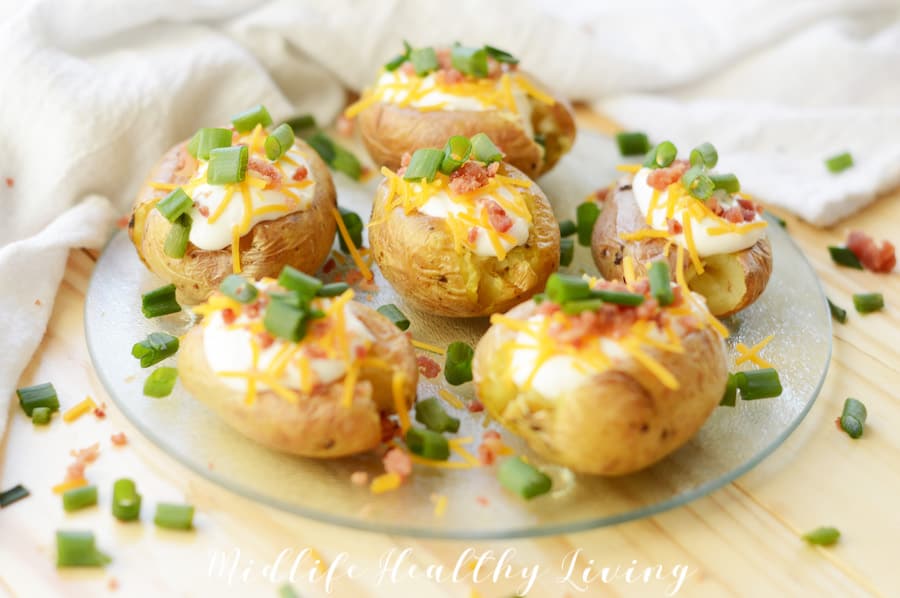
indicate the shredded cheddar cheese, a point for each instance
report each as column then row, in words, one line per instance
column 78, row 410
column 440, row 505
column 354, row 252
column 450, row 398
column 386, row 482
column 69, row 485
column 428, row 347
column 752, row 353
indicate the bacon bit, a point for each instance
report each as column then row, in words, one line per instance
column 315, row 352
column 204, row 211
column 359, row 478
column 353, row 277
column 83, row 458
column 600, row 195
column 472, row 237
column 389, row 428
column 876, row 259
column 661, row 178
column 405, row 159
column 253, row 309
column 100, row 412
column 734, row 214
column 119, row 439
column 300, row 174
column 122, row 222
column 265, row 170
column 837, row 422
column 748, row 209
column 329, row 266
column 344, row 126
column 10, row 182
column 361, row 352
column 38, row 302
column 497, row 216
column 228, row 316
column 468, row 177
column 445, row 59
column 548, row 308
column 491, row 444
column 428, row 367
column 210, row 465
column 483, row 501
column 674, row 226
column 398, row 462
column 474, row 406
column 408, row 69
column 713, row 204
column 112, row 584
column 265, row 340
column 369, row 286
column 492, row 169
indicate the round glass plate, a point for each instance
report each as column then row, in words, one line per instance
column 733, row 440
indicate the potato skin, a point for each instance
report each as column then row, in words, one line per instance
column 389, row 131
column 416, row 254
column 733, row 281
column 318, row 425
column 302, row 239
column 618, row 421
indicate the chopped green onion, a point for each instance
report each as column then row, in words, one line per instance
column 632, row 143
column 301, row 283
column 456, row 152
column 207, row 139
column 618, row 297
column 248, row 119
column 239, row 288
column 661, row 156
column 39, row 395
column 171, row 516
column 159, row 302
column 540, row 139
column 279, row 141
column 301, row 123
column 853, row 417
column 424, row 60
column 844, row 257
column 424, row 164
column 759, row 384
column 394, row 63
column 661, row 283
column 458, row 363
column 469, row 61
column 562, row 288
column 586, row 215
column 566, row 251
column 500, row 55
column 519, row 477
column 153, row 349
column 14, row 494
column 704, row 154
column 323, row 145
column 781, row 221
column 837, row 313
column 393, row 313
column 839, row 163
column 227, row 165
column 868, row 302
column 79, row 498
column 78, row 549
column 484, row 150
column 160, row 382
column 431, row 413
column 333, row 289
column 178, row 237
column 346, row 161
column 285, row 320
column 175, row 204
column 354, row 226
column 567, row 228
column 697, row 182
column 428, row 444
column 40, row 416
column 287, row 591
column 729, row 397
column 126, row 503
column 822, row 536
column 573, row 308
column 539, row 298
column 727, row 182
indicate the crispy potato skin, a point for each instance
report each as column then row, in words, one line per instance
column 318, row 425
column 302, row 239
column 618, row 421
column 417, row 255
column 389, row 131
column 732, row 283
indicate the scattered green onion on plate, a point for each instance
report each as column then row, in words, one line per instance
column 393, row 313
column 519, row 477
column 458, row 363
column 866, row 303
column 160, row 382
column 853, row 417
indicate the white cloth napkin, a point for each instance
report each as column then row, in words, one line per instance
column 93, row 91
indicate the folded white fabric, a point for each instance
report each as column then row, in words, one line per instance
column 95, row 90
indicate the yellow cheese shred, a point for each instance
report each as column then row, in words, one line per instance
column 628, row 269
column 354, row 252
column 235, row 249
column 69, row 485
column 428, row 347
column 440, row 505
column 450, row 398
column 78, row 410
column 752, row 353
column 691, row 246
column 386, row 482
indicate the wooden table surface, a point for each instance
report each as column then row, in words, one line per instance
column 741, row 540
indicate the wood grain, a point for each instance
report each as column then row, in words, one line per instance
column 741, row 541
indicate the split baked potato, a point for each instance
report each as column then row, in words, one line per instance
column 300, row 235
column 603, row 401
column 424, row 96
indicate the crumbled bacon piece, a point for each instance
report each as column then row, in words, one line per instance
column 100, row 411
column 112, row 584
column 265, row 170
column 493, row 168
column 228, row 316
column 300, row 174
column 734, row 214
column 490, row 447
column 265, row 340
column 359, row 478
column 344, row 126
column 548, row 308
column 661, row 178
column 468, row 177
column 389, row 428
column 450, row 76
column 474, row 406
column 10, row 182
column 497, row 216
column 713, row 204
column 329, row 265
column 119, row 439
column 428, row 367
column 122, row 222
column 472, row 237
column 37, row 302
column 405, row 159
column 408, row 69
column 360, row 351
column 369, row 286
column 674, row 226
column 483, row 501
column 445, row 59
column 748, row 209
column 871, row 256
column 397, row 461
column 83, row 458
column 315, row 352
column 253, row 309
column 600, row 195
column 204, row 211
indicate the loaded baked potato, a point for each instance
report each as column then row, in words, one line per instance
column 317, row 388
column 477, row 240
column 673, row 208
column 425, row 95
column 600, row 377
column 264, row 207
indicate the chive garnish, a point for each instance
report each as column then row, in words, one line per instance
column 729, row 397
column 866, row 303
column 759, row 384
column 431, row 413
column 175, row 204
column 424, row 164
column 239, row 288
column 660, row 283
column 126, row 503
column 428, row 444
column 839, row 163
column 469, row 61
column 728, row 182
column 172, row 516
column 704, row 154
column 618, row 297
column 484, row 150
column 837, row 313
column 227, row 165
column 566, row 251
column 14, row 494
column 393, row 313
column 337, row 158
column 287, row 590
column 285, row 320
column 424, row 60
column 697, row 182
column 40, row 416
column 573, row 308
column 279, row 141
column 562, row 288
column 78, row 549
column 79, row 498
column 206, row 140
column 301, row 123
column 523, row 479
column 567, row 228
column 456, row 152
column 500, row 55
column 844, row 257
column 354, row 226
column 178, row 237
column 248, row 119
column 303, row 284
column 661, row 156
column 853, row 417
column 632, row 143
column 394, row 63
column 586, row 215
column 153, row 349
column 160, row 382
column 822, row 536
column 159, row 302
column 458, row 363
column 333, row 289
column 39, row 395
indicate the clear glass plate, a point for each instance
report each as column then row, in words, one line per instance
column 793, row 308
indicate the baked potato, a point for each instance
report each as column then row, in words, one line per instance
column 608, row 390
column 321, row 404
column 290, row 199
column 468, row 244
column 726, row 255
column 425, row 95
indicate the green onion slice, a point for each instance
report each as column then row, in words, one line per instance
column 759, row 384
column 14, row 494
column 333, row 289
column 853, row 417
column 287, row 590
column 176, row 203
column 660, row 283
column 354, row 226
column 661, row 156
column 301, row 283
column 424, row 60
column 839, row 163
column 427, row 444
column 562, row 288
column 868, row 302
column 126, row 503
column 586, row 215
column 838, row 313
column 227, row 165
column 285, row 320
column 698, row 183
column 573, row 308
column 301, row 124
column 704, row 154
column 347, row 162
column 40, row 416
column 79, row 498
column 159, row 302
column 567, row 228
column 469, row 61
column 632, row 143
column 727, row 182
column 206, row 140
column 394, row 63
column 844, row 257
column 424, row 164
column 618, row 297
column 171, row 516
column 78, row 549
column 523, row 479
column 39, row 395
column 393, row 313
column 178, row 237
column 729, row 397
column 822, row 536
column 239, row 288
column 323, row 145
column 500, row 55
column 484, row 150
column 430, row 412
column 248, row 119
column 458, row 363
column 279, row 141
column 153, row 349
column 456, row 152
column 566, row 251
column 160, row 382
